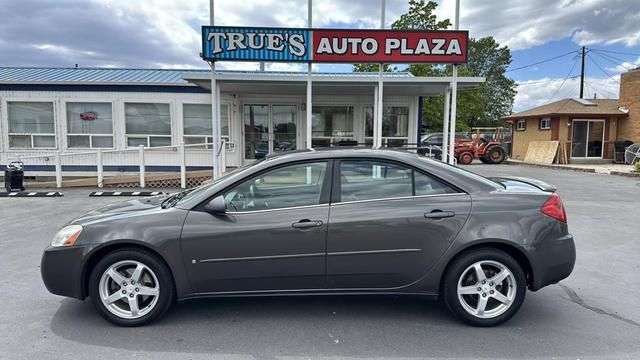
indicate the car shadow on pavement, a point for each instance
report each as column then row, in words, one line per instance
column 361, row 326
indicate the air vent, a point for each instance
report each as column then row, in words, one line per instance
column 585, row 102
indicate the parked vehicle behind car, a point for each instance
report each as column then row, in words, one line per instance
column 321, row 222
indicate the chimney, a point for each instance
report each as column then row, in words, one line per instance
column 629, row 128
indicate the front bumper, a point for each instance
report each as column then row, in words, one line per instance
column 61, row 270
column 553, row 261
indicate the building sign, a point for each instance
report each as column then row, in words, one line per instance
column 322, row 45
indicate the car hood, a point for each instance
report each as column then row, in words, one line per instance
column 119, row 208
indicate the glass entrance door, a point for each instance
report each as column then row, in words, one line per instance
column 268, row 129
column 587, row 139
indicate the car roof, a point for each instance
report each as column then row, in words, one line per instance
column 466, row 181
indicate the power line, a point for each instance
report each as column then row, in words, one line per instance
column 542, row 81
column 613, row 60
column 615, row 52
column 601, row 68
column 542, row 61
column 563, row 81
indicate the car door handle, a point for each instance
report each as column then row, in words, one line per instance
column 439, row 214
column 306, row 224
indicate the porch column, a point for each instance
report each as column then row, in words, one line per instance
column 445, row 125
column 309, row 111
column 377, row 119
column 215, row 110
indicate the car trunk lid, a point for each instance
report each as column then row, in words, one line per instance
column 516, row 183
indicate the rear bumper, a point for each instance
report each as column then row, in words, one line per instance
column 61, row 270
column 553, row 260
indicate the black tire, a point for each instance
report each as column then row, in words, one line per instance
column 457, row 269
column 484, row 160
column 166, row 293
column 496, row 155
column 465, row 158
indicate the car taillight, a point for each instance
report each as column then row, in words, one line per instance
column 554, row 208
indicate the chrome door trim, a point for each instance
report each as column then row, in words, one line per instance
column 267, row 257
column 278, row 209
column 368, row 252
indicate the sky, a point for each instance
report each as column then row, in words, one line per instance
column 166, row 34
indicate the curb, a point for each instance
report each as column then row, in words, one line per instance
column 125, row 193
column 31, row 194
column 586, row 170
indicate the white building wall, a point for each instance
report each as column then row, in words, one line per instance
column 160, row 159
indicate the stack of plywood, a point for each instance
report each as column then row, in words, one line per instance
column 541, row 152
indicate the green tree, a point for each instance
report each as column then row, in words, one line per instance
column 483, row 106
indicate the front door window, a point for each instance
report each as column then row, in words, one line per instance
column 268, row 129
column 587, row 139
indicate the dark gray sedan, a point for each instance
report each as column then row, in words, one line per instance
column 321, row 222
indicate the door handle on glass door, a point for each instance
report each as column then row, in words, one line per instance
column 439, row 214
column 306, row 224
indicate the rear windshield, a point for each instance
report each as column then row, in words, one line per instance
column 467, row 173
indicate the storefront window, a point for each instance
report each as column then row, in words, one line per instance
column 31, row 125
column 395, row 125
column 197, row 123
column 147, row 124
column 332, row 125
column 89, row 125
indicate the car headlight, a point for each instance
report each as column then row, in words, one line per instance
column 67, row 236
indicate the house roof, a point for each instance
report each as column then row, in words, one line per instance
column 572, row 107
column 175, row 77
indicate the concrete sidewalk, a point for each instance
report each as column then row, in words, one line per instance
column 609, row 169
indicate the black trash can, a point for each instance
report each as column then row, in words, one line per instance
column 14, row 176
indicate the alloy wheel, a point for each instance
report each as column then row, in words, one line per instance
column 486, row 289
column 129, row 289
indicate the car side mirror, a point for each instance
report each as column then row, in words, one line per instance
column 216, row 206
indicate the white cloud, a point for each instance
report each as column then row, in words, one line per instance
column 538, row 92
column 624, row 66
column 521, row 24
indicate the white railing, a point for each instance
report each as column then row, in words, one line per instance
column 116, row 157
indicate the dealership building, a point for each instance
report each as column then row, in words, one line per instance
column 46, row 111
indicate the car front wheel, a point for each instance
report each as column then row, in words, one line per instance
column 131, row 287
column 484, row 287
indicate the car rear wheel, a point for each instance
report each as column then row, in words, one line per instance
column 484, row 287
column 131, row 287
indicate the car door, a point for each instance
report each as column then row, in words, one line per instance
column 389, row 224
column 272, row 236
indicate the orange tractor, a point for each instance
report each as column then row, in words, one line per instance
column 485, row 145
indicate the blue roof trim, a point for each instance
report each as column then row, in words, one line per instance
column 105, row 88
column 147, row 77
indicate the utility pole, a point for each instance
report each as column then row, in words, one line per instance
column 582, row 75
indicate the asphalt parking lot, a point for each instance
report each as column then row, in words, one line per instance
column 595, row 313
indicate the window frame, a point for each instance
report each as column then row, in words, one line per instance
column 336, row 187
column 335, row 140
column 543, row 119
column 90, row 135
column 325, row 192
column 147, row 136
column 521, row 121
column 6, row 120
column 206, row 137
column 385, row 139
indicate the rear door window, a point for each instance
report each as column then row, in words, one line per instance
column 371, row 179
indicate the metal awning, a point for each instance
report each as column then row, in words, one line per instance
column 329, row 84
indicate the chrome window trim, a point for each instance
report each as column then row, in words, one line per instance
column 398, row 198
column 278, row 209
